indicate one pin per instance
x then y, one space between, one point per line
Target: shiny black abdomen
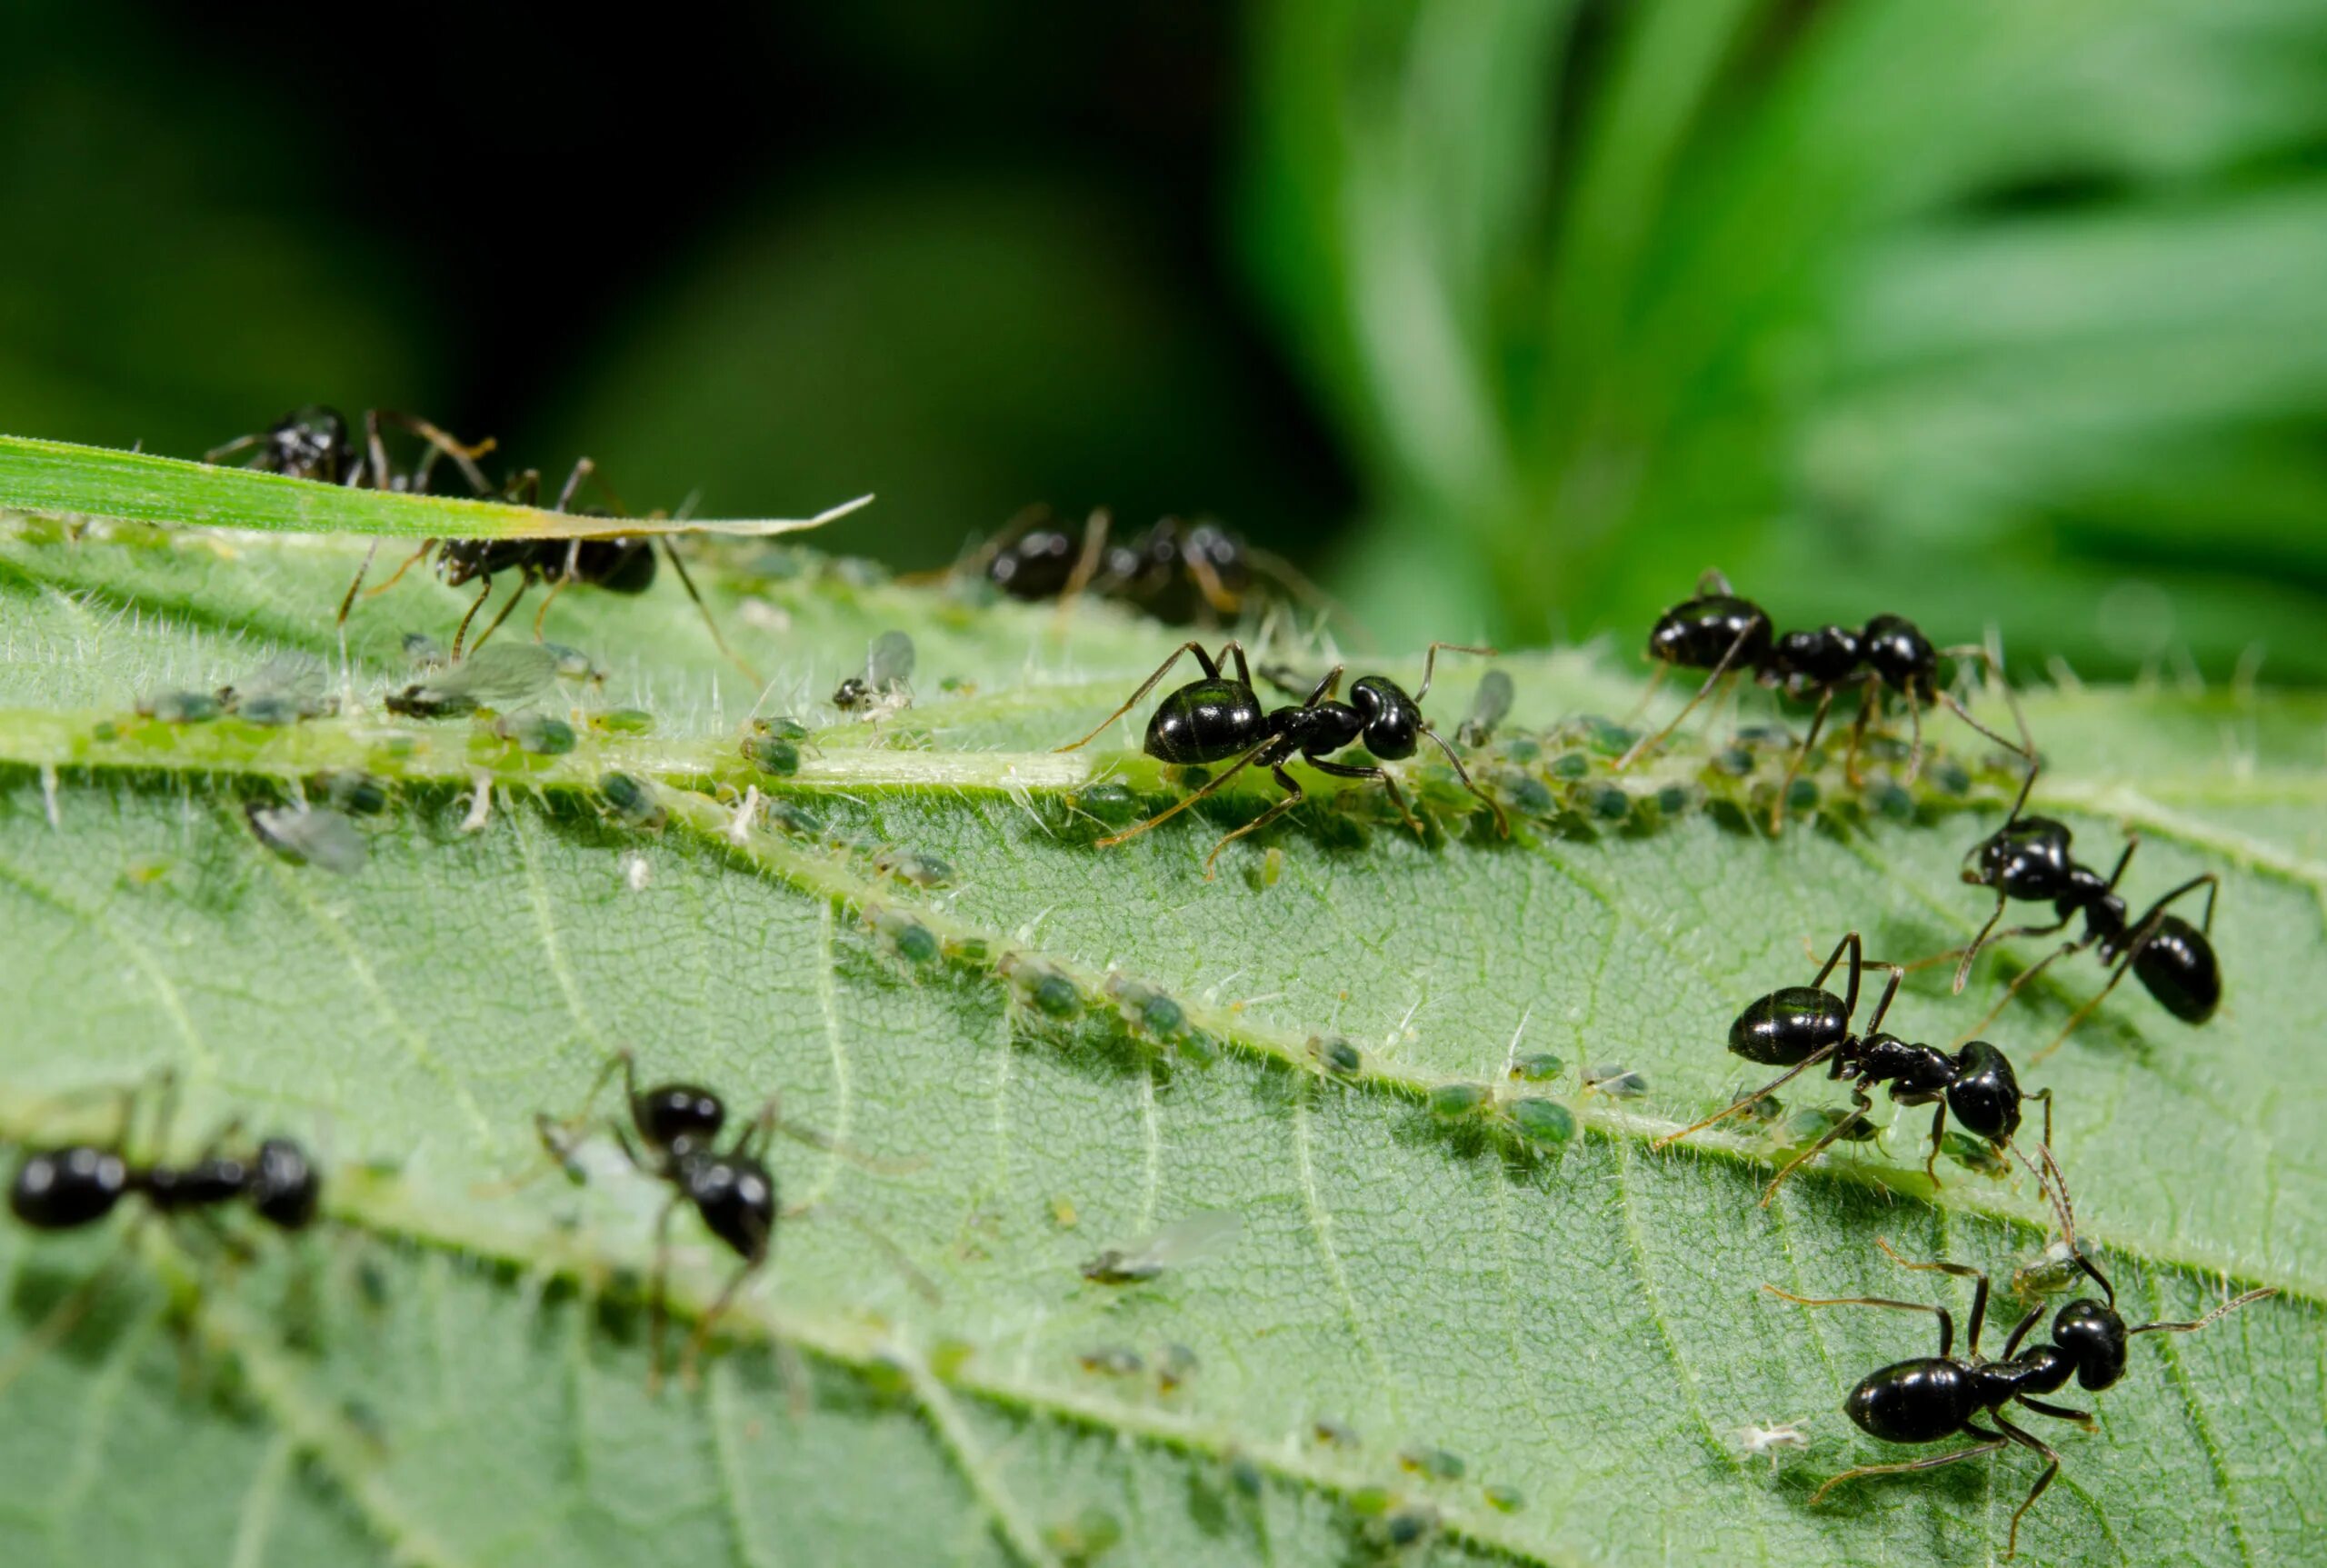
2177 964
1698 633
1035 565
1919 1401
617 565
59 1189
1206 722
1788 1027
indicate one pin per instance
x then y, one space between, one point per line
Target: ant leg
1915 738
462 632
1501 822
1889 993
1655 685
1086 564
2059 1411
1946 1319
1764 1091
347 600
1800 756
1216 592
2035 1316
1858 1114
464 456
1649 743
1979 940
1292 798
2051 1468
2045 1095
1934 1463
1938 1133
1712 581
752 1143
1184 802
1344 770
1210 666
1430 661
701 1338
240 444
524 586
686 581
393 577
583 468
558 1136
2021 979
1849 944
2117 973
1870 701
541 610
1961 1271
975 562
658 1304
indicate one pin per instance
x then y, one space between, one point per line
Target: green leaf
1044 1050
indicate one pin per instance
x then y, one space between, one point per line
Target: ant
617 565
1216 718
2029 858
1177 571
1728 636
314 443
71 1186
677 1128
1933 1398
1800 1026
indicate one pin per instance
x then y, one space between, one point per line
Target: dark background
1505 319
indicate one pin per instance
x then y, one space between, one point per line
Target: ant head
458 560
1392 722
1985 1094
736 1195
2028 857
1895 649
59 1189
2094 1337
284 1185
308 443
677 1116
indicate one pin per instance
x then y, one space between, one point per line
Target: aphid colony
673 1132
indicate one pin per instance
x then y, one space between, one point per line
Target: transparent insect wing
890 662
1184 1241
1491 704
504 676
318 837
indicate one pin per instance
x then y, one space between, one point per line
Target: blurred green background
1503 317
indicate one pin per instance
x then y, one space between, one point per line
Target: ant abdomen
1205 722
1919 1401
1789 1027
2177 965
1702 632
64 1189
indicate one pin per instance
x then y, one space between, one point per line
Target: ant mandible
1728 636
1217 718
2029 858
1800 1026
1929 1399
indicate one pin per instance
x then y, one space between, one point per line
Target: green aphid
1608 803
1455 1100
911 866
1609 739
1410 1524
1813 1122
1246 1478
1175 1367
1762 1111
1544 1122
795 820
179 707
1949 777
1336 1054
771 754
1521 749
1086 1537
1043 988
1434 1463
1504 1499
1113 804
1529 796
908 938
781 729
1976 1155
1112 1361
303 837
632 800
1569 765
539 733
1537 1067
625 721
1671 800
1734 761
505 677
1893 803
1370 1501
357 794
270 710
1801 794
1333 1433
280 692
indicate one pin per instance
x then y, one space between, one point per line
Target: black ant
1932 1398
2029 858
1800 1026
1177 571
677 1128
1217 718
1727 635
71 1186
616 565
314 443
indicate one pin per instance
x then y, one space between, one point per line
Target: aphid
1174 1367
1504 1499
1215 719
1334 1434
1544 1122
179 707
885 686
1933 1398
306 835
773 745
1801 1026
2029 858
504 679
632 800
1490 705
1336 1054
1726 636
542 734
1754 1440
1193 1240
1538 1067
1616 1081
1436 1463
1824 1124
280 692
1112 1361
1453 1101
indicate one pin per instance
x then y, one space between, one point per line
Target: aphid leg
1763 1093
1861 1106
1176 807
1946 1319
1430 661
1292 798
1903 1466
1210 666
460 633
1501 822
2051 1468
1800 756
1344 770
1721 671
1961 1271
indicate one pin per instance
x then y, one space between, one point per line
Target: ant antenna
2226 1308
2056 1191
